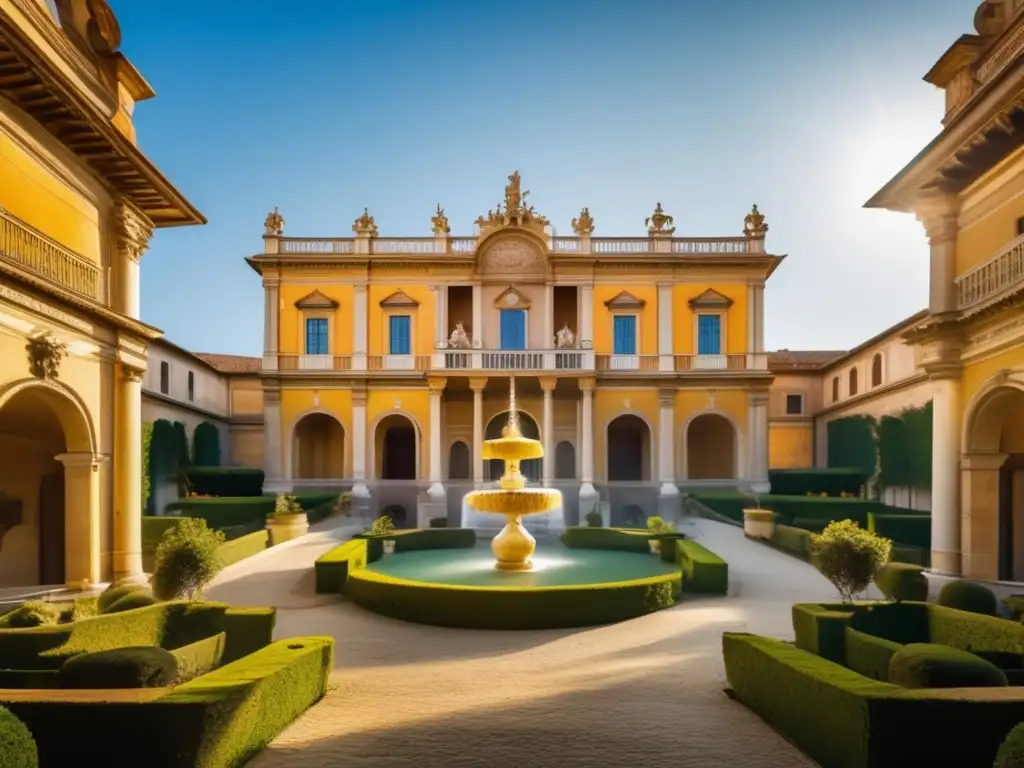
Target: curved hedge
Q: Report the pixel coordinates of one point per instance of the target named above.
(1011, 751)
(433, 538)
(17, 747)
(618, 539)
(928, 665)
(505, 608)
(902, 581)
(132, 667)
(967, 596)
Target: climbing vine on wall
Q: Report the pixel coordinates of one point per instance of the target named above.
(147, 442)
(853, 442)
(206, 445)
(905, 448)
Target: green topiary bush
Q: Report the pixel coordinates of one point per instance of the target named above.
(849, 557)
(229, 482)
(34, 613)
(927, 665)
(1011, 752)
(17, 747)
(115, 592)
(140, 666)
(593, 519)
(968, 596)
(206, 445)
(902, 581)
(186, 560)
(139, 599)
(439, 522)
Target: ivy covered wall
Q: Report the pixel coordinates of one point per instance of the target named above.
(853, 443)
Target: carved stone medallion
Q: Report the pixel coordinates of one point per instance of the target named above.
(511, 256)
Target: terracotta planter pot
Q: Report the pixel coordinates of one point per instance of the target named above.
(758, 523)
(284, 528)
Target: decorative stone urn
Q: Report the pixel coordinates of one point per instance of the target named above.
(284, 528)
(758, 523)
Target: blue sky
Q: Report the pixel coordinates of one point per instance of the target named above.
(322, 107)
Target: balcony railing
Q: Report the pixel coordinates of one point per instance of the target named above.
(992, 280)
(30, 249)
(413, 246)
(529, 360)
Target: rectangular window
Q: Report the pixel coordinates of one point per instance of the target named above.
(794, 405)
(513, 329)
(709, 334)
(316, 336)
(400, 332)
(624, 335)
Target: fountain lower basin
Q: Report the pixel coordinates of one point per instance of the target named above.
(514, 545)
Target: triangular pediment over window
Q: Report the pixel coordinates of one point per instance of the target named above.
(399, 300)
(625, 300)
(710, 299)
(316, 300)
(511, 298)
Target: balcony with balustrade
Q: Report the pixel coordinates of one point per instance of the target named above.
(995, 280)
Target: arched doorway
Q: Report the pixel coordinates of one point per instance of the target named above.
(532, 468)
(710, 448)
(48, 483)
(318, 447)
(628, 449)
(396, 448)
(458, 461)
(993, 485)
(565, 461)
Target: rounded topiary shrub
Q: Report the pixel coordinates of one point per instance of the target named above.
(1011, 753)
(113, 593)
(34, 613)
(968, 596)
(17, 748)
(140, 666)
(926, 665)
(902, 581)
(138, 599)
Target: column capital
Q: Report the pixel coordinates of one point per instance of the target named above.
(547, 384)
(359, 396)
(478, 384)
(436, 384)
(940, 217)
(360, 287)
(271, 396)
(667, 397)
(982, 462)
(131, 374)
(587, 385)
(271, 282)
(82, 459)
(133, 229)
(757, 398)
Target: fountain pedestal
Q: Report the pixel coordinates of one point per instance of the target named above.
(513, 546)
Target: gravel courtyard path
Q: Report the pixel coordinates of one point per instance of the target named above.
(645, 693)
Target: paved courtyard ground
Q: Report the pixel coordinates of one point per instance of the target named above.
(645, 693)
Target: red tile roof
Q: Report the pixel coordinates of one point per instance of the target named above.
(231, 363)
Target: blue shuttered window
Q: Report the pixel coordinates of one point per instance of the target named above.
(316, 336)
(513, 329)
(624, 332)
(399, 328)
(709, 334)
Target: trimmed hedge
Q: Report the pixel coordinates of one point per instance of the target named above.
(239, 549)
(852, 442)
(902, 581)
(912, 529)
(928, 665)
(248, 513)
(703, 571)
(788, 509)
(967, 596)
(1011, 752)
(199, 658)
(869, 655)
(502, 608)
(17, 747)
(842, 719)
(332, 569)
(795, 541)
(833, 481)
(618, 539)
(137, 599)
(433, 538)
(219, 720)
(247, 630)
(226, 481)
(130, 667)
(206, 445)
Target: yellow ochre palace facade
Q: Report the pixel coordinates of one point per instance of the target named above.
(639, 361)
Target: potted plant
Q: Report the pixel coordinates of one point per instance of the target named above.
(657, 526)
(758, 523)
(288, 520)
(382, 528)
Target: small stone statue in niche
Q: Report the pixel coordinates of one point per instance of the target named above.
(565, 339)
(459, 338)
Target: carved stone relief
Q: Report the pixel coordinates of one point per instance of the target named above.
(512, 256)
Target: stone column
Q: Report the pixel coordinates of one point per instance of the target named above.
(757, 442)
(666, 358)
(477, 385)
(440, 314)
(940, 218)
(946, 547)
(586, 314)
(277, 479)
(589, 496)
(271, 307)
(668, 494)
(133, 230)
(359, 489)
(478, 316)
(436, 491)
(549, 317)
(127, 549)
(980, 526)
(547, 385)
(82, 568)
(359, 314)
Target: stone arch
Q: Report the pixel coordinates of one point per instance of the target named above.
(629, 448)
(460, 461)
(317, 446)
(528, 425)
(733, 454)
(49, 445)
(396, 446)
(565, 461)
(987, 410)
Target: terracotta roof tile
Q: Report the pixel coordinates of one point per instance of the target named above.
(232, 363)
(789, 359)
